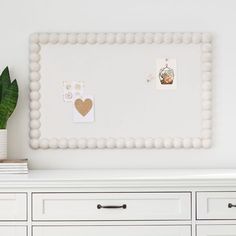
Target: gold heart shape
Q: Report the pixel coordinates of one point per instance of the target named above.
(83, 107)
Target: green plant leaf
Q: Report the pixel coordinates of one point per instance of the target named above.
(3, 115)
(8, 103)
(5, 81)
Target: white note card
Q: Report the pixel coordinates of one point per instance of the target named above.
(83, 109)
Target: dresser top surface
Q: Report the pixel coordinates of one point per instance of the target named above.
(122, 175)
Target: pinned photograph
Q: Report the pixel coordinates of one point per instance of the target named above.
(166, 75)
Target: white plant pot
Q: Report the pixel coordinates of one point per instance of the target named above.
(3, 144)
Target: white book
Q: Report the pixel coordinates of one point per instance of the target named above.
(13, 169)
(14, 172)
(13, 164)
(13, 161)
(10, 166)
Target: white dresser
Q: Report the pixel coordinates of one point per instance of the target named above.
(119, 202)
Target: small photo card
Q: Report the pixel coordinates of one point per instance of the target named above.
(83, 109)
(166, 74)
(72, 89)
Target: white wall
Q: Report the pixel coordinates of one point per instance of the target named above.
(20, 18)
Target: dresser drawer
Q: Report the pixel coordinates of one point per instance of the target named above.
(112, 230)
(216, 205)
(111, 206)
(216, 230)
(13, 206)
(13, 231)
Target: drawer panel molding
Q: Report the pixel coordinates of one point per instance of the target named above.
(111, 206)
(216, 205)
(112, 230)
(217, 230)
(13, 230)
(13, 206)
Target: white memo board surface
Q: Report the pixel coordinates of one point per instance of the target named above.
(115, 74)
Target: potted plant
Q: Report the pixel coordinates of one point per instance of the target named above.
(8, 101)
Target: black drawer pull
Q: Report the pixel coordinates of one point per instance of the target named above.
(99, 206)
(230, 205)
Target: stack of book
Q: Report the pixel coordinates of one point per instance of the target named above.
(9, 166)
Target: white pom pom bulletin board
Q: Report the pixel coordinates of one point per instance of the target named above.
(120, 90)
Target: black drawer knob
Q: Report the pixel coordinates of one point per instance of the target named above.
(230, 205)
(124, 206)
